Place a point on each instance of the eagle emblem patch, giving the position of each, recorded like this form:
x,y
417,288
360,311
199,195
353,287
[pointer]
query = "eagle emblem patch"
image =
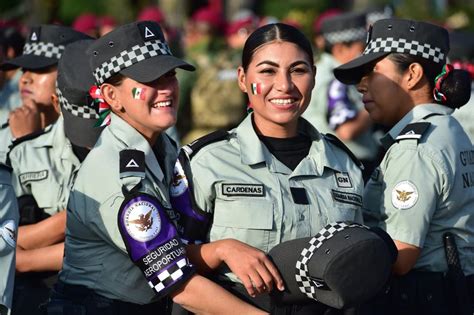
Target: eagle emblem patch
x,y
404,195
142,219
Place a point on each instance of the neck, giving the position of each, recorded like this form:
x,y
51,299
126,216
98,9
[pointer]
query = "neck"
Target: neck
x,y
277,131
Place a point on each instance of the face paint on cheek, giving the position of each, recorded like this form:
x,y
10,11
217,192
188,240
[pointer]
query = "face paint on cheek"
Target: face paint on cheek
x,y
256,88
138,93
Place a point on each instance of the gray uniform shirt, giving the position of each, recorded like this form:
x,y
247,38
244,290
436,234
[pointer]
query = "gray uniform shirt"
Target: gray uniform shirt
x,y
95,255
364,146
45,167
8,227
425,187
248,190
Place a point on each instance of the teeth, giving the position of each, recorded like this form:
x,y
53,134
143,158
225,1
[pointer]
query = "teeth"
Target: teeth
x,y
162,104
282,101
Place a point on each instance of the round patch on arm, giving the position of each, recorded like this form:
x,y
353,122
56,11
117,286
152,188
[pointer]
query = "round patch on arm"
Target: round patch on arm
x,y
142,220
180,182
404,195
8,232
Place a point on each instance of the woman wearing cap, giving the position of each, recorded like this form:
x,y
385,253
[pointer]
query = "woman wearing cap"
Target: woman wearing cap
x,y
123,254
275,177
424,186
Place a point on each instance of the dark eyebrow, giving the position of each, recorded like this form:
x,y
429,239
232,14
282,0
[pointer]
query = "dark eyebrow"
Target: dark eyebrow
x,y
274,64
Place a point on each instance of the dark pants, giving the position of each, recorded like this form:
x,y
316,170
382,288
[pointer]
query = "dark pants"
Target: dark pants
x,y
79,300
30,291
418,293
264,302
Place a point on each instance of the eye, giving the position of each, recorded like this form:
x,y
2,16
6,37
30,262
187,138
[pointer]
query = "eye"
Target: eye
x,y
300,70
267,71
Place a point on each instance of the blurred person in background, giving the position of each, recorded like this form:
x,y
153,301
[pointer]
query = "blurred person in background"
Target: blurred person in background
x,y
216,84
11,46
87,23
106,23
461,56
335,107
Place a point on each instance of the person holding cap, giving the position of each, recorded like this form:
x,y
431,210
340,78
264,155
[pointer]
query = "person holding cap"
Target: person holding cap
x,y
123,254
43,48
422,193
272,179
8,233
335,107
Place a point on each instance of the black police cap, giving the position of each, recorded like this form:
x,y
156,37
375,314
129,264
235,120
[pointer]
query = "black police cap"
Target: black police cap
x,y
44,46
387,36
344,265
137,50
73,83
342,28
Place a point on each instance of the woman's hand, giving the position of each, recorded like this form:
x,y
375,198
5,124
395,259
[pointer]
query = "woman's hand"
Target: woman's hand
x,y
252,266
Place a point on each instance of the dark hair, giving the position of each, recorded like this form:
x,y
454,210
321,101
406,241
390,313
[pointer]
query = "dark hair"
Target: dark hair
x,y
274,32
456,86
116,79
11,37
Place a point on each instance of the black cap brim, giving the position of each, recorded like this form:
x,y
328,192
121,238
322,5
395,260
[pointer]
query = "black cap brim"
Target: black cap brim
x,y
80,131
31,62
152,68
353,71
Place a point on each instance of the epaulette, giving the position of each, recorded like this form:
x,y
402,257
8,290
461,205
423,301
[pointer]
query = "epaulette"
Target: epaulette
x,y
17,141
338,143
192,148
413,131
30,136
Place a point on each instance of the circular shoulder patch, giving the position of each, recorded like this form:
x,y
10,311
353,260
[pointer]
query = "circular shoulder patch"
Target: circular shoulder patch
x,y
8,232
404,195
180,182
142,219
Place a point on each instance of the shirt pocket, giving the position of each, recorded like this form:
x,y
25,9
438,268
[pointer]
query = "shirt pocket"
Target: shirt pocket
x,y
247,220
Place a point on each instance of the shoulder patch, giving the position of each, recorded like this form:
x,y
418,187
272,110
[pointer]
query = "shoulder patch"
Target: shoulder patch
x,y
192,148
132,163
338,143
404,195
413,131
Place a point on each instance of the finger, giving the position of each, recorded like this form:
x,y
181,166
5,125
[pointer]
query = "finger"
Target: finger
x,y
257,281
248,286
277,279
266,277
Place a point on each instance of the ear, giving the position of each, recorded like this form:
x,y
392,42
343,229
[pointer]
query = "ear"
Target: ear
x,y
414,75
110,95
241,79
56,105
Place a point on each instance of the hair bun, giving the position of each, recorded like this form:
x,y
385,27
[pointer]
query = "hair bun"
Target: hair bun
x,y
457,88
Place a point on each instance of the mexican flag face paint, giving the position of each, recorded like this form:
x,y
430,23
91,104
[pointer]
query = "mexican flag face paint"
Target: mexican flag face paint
x,y
256,88
138,93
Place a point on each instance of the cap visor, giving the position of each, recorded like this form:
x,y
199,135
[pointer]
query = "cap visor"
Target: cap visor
x,y
80,131
28,62
151,69
353,71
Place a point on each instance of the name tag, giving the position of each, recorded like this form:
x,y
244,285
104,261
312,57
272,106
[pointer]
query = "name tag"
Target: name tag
x,y
345,197
33,176
249,190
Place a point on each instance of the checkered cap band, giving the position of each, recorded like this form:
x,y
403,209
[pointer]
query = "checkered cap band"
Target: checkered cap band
x,y
48,50
306,284
405,47
348,35
86,112
129,57
169,276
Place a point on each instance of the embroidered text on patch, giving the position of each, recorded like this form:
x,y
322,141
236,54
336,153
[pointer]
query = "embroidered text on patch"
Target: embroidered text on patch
x,y
345,197
343,179
33,176
253,190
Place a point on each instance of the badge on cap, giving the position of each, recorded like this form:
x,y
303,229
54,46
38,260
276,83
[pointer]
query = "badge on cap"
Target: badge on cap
x,y
404,195
147,32
35,34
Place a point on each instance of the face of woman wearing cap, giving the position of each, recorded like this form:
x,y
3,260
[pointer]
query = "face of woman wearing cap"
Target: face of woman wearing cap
x,y
38,85
386,92
148,107
278,81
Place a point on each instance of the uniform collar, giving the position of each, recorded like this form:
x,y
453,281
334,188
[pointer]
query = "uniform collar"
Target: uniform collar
x,y
52,135
131,138
253,151
419,112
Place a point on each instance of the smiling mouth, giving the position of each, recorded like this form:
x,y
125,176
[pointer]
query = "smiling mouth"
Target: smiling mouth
x,y
283,101
162,104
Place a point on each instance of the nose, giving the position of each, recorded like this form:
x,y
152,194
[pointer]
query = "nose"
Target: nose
x,y
362,85
283,82
26,77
